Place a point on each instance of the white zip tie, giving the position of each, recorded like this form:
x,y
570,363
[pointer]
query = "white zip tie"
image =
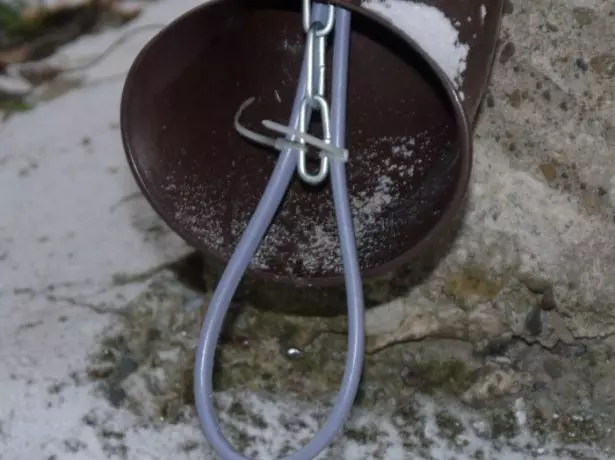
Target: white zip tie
x,y
326,149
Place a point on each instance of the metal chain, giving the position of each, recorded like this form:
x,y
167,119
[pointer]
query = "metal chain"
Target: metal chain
x,y
314,97
313,100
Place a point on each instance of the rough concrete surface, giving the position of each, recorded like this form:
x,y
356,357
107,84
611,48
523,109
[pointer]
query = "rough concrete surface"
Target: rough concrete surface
x,y
503,351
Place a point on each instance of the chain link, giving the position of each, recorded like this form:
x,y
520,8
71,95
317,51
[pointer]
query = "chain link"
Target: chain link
x,y
314,97
307,19
313,100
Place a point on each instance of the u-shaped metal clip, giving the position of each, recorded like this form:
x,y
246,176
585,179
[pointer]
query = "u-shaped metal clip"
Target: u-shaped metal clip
x,y
318,102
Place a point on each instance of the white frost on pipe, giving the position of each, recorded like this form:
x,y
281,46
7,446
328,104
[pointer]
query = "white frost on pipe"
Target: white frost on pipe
x,y
431,29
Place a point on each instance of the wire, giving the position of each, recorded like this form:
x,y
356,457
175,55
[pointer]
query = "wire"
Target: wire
x,y
249,242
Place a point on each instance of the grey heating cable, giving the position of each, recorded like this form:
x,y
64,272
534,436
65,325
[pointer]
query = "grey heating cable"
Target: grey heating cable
x,y
248,244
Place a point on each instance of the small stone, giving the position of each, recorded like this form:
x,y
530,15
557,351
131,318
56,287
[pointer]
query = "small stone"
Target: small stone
x,y
408,377
549,170
535,284
508,7
603,65
125,367
582,64
570,350
591,200
490,101
90,419
116,396
584,16
493,383
548,300
553,368
508,51
189,446
515,98
555,322
495,347
533,321
74,445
